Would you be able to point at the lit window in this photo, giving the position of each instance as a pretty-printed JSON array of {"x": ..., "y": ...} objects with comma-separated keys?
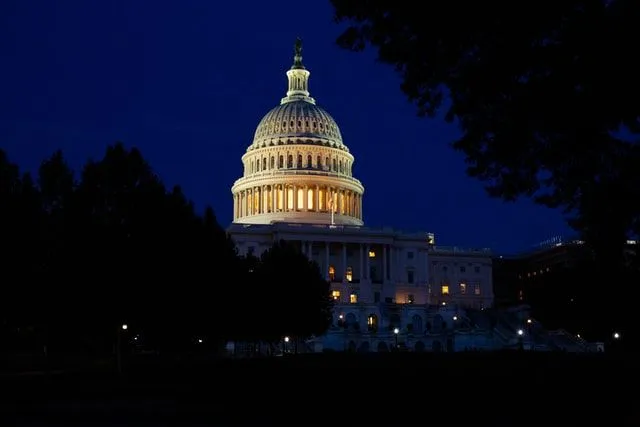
[
  {"x": 476, "y": 289},
  {"x": 353, "y": 298},
  {"x": 463, "y": 288},
  {"x": 372, "y": 322},
  {"x": 332, "y": 273},
  {"x": 372, "y": 254},
  {"x": 349, "y": 274},
  {"x": 444, "y": 289},
  {"x": 335, "y": 295}
]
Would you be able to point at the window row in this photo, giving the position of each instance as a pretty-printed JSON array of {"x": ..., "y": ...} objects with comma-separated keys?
[{"x": 290, "y": 161}]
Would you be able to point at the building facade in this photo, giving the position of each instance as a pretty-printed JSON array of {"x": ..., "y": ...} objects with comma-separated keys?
[{"x": 390, "y": 288}]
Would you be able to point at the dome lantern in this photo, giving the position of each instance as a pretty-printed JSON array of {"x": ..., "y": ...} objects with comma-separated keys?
[{"x": 298, "y": 78}]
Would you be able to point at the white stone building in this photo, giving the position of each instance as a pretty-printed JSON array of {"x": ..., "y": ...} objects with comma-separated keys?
[{"x": 389, "y": 287}]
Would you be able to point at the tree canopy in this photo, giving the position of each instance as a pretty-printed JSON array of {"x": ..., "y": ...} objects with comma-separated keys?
[
  {"x": 545, "y": 93},
  {"x": 112, "y": 245},
  {"x": 291, "y": 296}
]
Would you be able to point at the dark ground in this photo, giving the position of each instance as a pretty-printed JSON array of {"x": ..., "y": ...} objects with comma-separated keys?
[{"x": 392, "y": 389}]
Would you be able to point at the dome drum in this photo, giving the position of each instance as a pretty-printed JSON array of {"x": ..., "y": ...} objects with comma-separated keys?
[
  {"x": 300, "y": 158},
  {"x": 299, "y": 202}
]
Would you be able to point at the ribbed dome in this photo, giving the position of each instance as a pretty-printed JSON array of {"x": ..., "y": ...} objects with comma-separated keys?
[{"x": 297, "y": 122}]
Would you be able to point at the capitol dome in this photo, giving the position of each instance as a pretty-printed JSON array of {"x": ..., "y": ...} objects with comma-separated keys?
[
  {"x": 299, "y": 122},
  {"x": 297, "y": 169}
]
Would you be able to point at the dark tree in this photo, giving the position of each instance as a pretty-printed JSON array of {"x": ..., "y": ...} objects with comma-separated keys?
[
  {"x": 20, "y": 231},
  {"x": 289, "y": 296},
  {"x": 545, "y": 93}
]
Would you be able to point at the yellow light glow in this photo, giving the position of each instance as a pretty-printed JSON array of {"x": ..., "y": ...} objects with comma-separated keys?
[{"x": 372, "y": 254}]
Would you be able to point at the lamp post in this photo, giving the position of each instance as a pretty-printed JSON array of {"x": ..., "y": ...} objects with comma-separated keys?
[
  {"x": 121, "y": 330},
  {"x": 286, "y": 340},
  {"x": 396, "y": 331},
  {"x": 344, "y": 332},
  {"x": 520, "y": 333}
]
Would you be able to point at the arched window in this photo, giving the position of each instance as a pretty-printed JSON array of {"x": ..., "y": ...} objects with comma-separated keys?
[
  {"x": 264, "y": 164},
  {"x": 372, "y": 322},
  {"x": 273, "y": 162},
  {"x": 281, "y": 162},
  {"x": 309, "y": 161},
  {"x": 290, "y": 161},
  {"x": 416, "y": 322},
  {"x": 438, "y": 324},
  {"x": 299, "y": 165}
]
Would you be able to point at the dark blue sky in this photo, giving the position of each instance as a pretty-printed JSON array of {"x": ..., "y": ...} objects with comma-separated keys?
[{"x": 188, "y": 81}]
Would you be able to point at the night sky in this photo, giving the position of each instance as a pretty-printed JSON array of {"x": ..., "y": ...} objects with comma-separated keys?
[{"x": 188, "y": 81}]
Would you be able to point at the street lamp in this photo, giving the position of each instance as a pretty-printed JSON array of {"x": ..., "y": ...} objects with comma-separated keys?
[
  {"x": 123, "y": 327},
  {"x": 616, "y": 336},
  {"x": 286, "y": 340},
  {"x": 529, "y": 321},
  {"x": 396, "y": 331},
  {"x": 455, "y": 318},
  {"x": 520, "y": 332}
]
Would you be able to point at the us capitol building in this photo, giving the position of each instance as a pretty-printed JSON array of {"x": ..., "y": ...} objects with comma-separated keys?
[{"x": 390, "y": 288}]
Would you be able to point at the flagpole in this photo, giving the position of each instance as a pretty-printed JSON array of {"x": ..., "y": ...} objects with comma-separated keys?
[{"x": 331, "y": 206}]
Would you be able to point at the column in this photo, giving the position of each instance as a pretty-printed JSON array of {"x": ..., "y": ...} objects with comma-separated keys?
[
  {"x": 344, "y": 262},
  {"x": 326, "y": 260},
  {"x": 235, "y": 206},
  {"x": 316, "y": 199},
  {"x": 366, "y": 261},
  {"x": 305, "y": 198},
  {"x": 295, "y": 198},
  {"x": 362, "y": 274},
  {"x": 384, "y": 263},
  {"x": 392, "y": 263},
  {"x": 285, "y": 198}
]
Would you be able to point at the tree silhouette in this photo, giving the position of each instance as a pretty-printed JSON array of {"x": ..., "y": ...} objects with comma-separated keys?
[
  {"x": 545, "y": 94},
  {"x": 293, "y": 297},
  {"x": 112, "y": 247}
]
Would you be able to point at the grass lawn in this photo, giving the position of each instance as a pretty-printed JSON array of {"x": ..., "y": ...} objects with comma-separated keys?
[{"x": 516, "y": 388}]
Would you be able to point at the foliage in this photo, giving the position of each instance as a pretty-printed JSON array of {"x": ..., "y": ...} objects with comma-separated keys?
[
  {"x": 545, "y": 94},
  {"x": 84, "y": 256},
  {"x": 291, "y": 296}
]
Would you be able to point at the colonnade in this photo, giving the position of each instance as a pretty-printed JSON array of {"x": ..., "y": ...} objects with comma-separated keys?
[{"x": 296, "y": 198}]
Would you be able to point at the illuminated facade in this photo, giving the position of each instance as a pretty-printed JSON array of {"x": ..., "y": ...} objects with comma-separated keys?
[{"x": 389, "y": 287}]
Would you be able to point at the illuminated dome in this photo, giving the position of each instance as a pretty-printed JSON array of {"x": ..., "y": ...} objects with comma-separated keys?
[
  {"x": 297, "y": 122},
  {"x": 297, "y": 168}
]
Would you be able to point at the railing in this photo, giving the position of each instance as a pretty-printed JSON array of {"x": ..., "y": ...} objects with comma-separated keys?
[
  {"x": 458, "y": 249},
  {"x": 299, "y": 172},
  {"x": 572, "y": 339}
]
